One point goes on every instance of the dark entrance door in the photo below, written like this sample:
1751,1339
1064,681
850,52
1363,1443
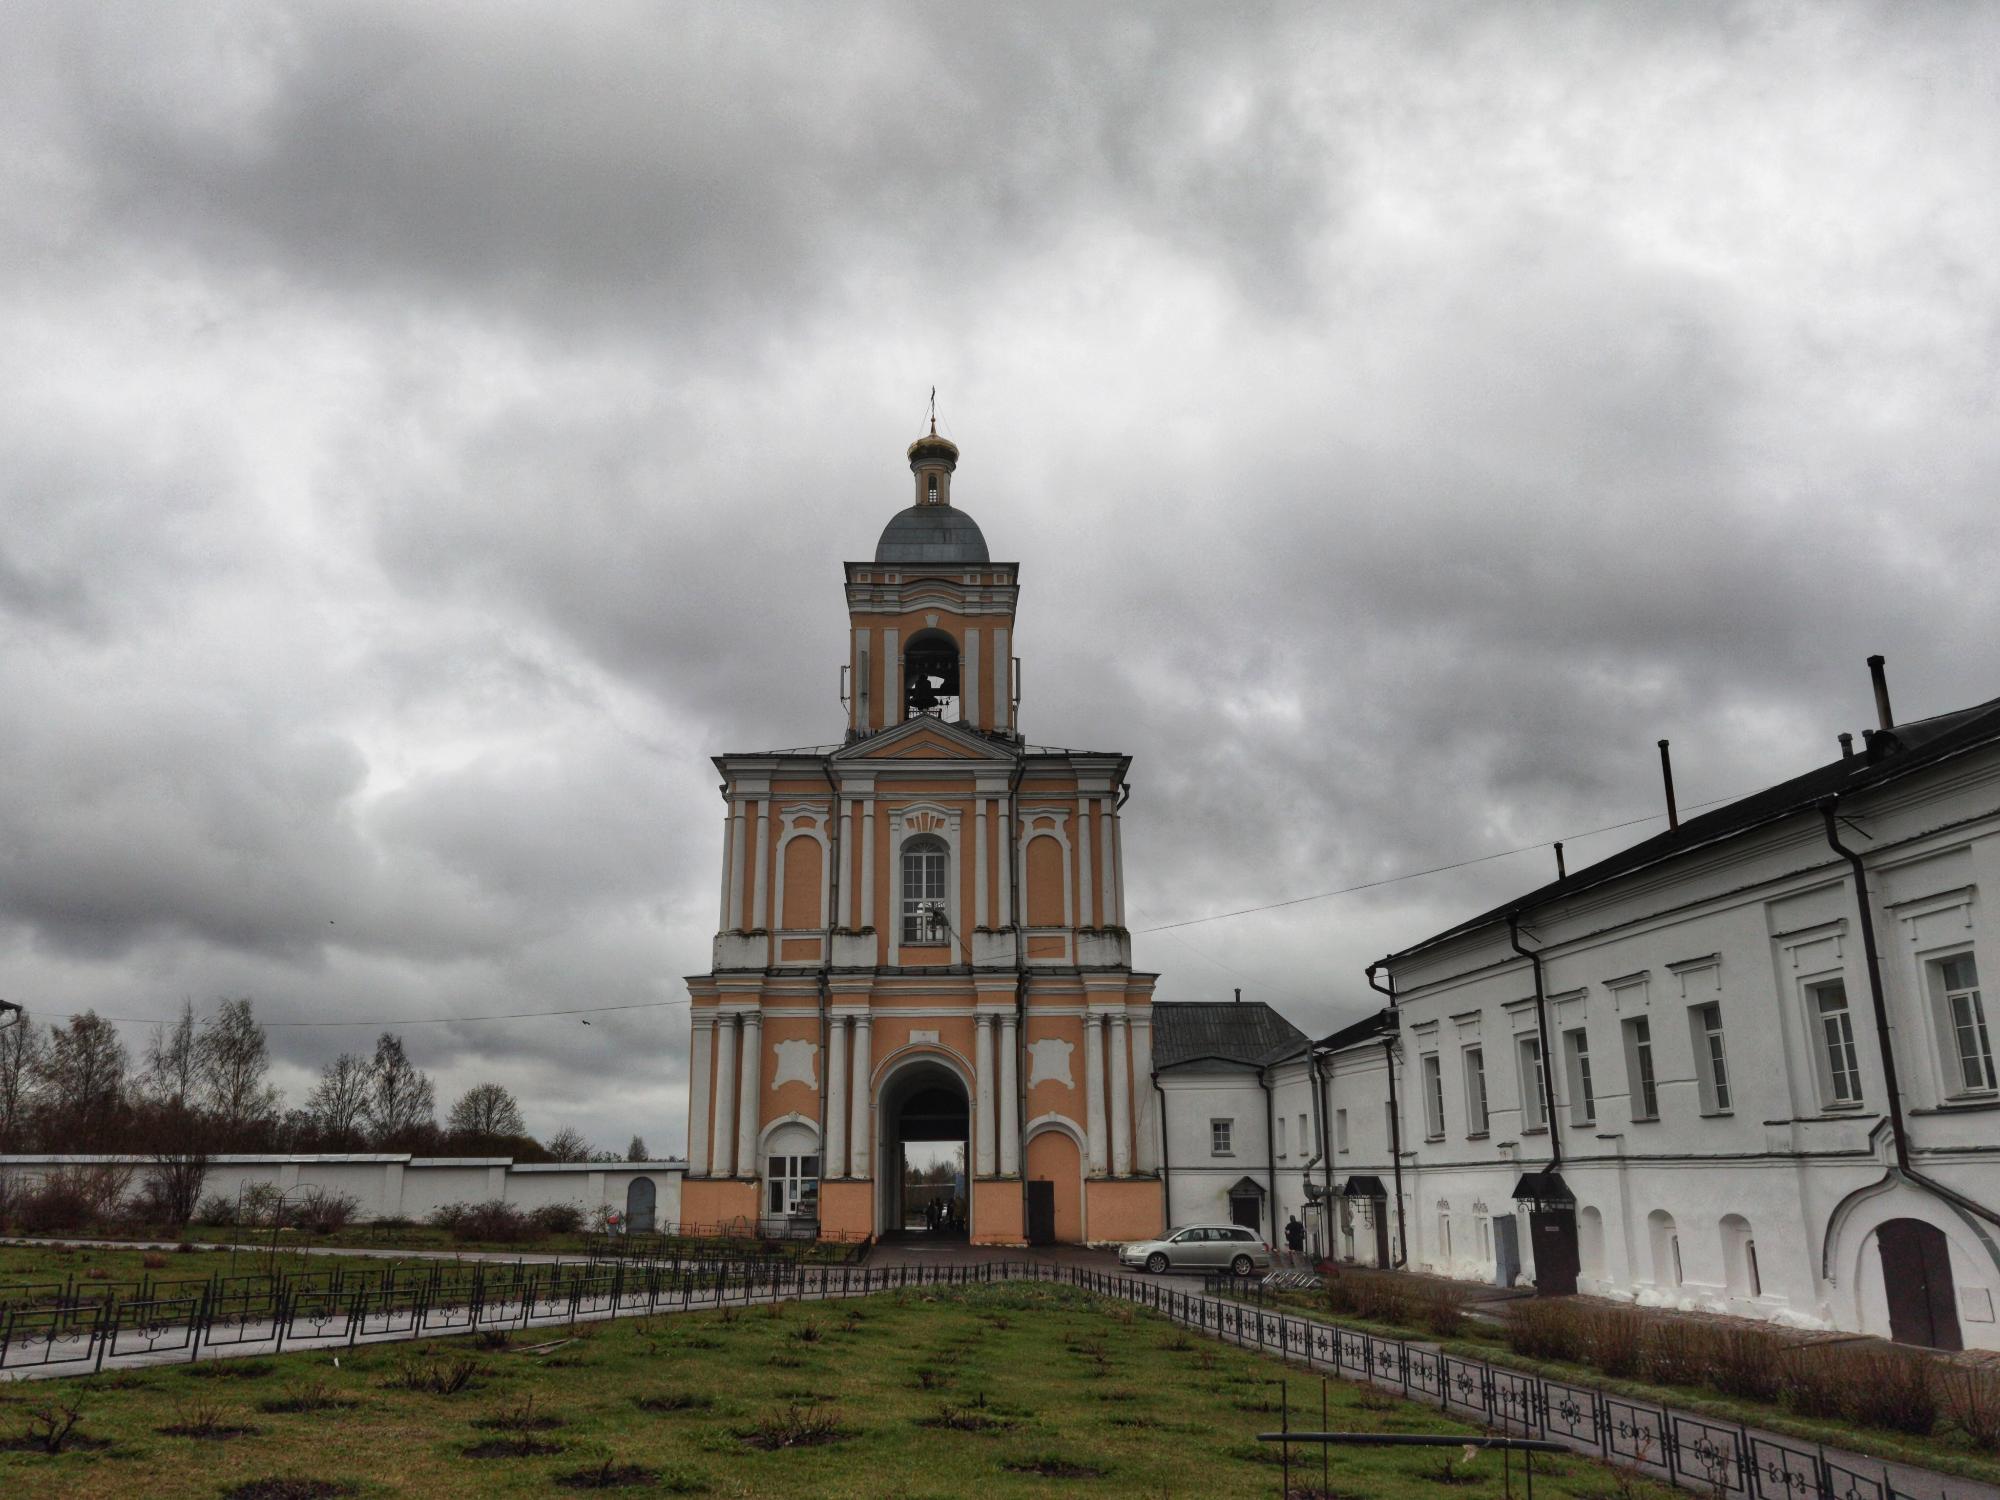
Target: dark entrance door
639,1202
1041,1211
1506,1249
1916,1274
1247,1211
1381,1217
1553,1233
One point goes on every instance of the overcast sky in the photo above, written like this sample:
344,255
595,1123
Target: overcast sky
429,432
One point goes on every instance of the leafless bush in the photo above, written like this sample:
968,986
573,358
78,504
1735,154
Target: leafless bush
495,1221
304,1398
1746,1362
556,1218
796,1427
1672,1351
216,1211
1888,1388
54,1423
322,1211
1545,1329
435,1375
1971,1398
1611,1338
1443,1308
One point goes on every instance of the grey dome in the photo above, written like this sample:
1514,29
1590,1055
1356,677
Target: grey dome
931,534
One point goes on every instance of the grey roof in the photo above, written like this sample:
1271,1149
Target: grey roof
931,534
1247,1032
1892,754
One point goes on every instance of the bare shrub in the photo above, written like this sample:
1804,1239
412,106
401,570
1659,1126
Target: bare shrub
215,1211
435,1375
1673,1352
1443,1308
304,1398
1814,1382
1611,1338
1888,1388
495,1220
1745,1362
808,1332
53,1424
556,1218
796,1427
1970,1396
322,1211
1542,1328
202,1418
152,1260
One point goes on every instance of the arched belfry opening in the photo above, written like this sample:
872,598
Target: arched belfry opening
930,676
925,1119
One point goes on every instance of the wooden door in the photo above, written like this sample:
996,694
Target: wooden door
1041,1211
1553,1233
1916,1275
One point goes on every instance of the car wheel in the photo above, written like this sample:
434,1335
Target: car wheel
1156,1262
1241,1265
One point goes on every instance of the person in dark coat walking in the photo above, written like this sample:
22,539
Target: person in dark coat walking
1295,1235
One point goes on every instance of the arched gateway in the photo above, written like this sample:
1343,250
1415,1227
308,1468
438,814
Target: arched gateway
922,944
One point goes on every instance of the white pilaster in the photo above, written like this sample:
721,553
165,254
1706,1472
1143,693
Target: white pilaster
702,1041
749,1094
847,862
1101,838
1146,1126
859,1155
1010,1100
1093,1068
728,867
1114,867
833,1161
892,680
1086,906
1005,810
1121,1100
868,863
760,891
979,917
722,1150
968,688
735,865
982,1098
857,687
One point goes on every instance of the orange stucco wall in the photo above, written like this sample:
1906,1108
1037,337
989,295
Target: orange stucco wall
1122,1210
1053,1156
847,1208
708,1201
996,1213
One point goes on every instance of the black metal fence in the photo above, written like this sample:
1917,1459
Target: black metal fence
58,1328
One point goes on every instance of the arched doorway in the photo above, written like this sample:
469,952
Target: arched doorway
1055,1179
639,1201
924,1118
1916,1275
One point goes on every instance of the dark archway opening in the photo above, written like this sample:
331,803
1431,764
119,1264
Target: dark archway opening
926,1132
930,676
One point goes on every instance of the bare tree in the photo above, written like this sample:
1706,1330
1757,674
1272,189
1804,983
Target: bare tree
400,1099
486,1111
20,1054
637,1150
173,1063
234,1059
568,1144
80,1084
338,1103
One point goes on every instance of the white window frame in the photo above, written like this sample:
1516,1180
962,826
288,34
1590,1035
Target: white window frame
1642,1072
1944,1003
1282,1153
1836,1057
1576,1065
1708,1036
1534,1083
1478,1118
1222,1137
1340,1145
915,905
1431,1067
787,1178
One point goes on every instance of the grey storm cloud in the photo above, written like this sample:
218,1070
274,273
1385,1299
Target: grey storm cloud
430,433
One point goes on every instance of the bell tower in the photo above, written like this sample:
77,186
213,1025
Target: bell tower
931,617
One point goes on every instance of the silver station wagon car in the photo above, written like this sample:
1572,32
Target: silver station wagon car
1201,1247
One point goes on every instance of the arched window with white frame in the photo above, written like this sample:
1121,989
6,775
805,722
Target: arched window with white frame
926,867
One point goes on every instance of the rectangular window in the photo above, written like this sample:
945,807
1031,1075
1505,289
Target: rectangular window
1711,1062
1219,1134
1306,1144
1639,1069
1281,1135
1340,1131
1433,1097
793,1184
924,919
1956,980
1582,1096
1475,1091
1534,1086
1833,1032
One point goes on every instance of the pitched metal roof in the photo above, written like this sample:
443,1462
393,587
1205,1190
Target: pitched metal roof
1247,1032
1894,754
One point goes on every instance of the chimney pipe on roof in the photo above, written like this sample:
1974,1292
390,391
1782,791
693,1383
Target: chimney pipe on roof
1239,997
1562,872
1667,775
1884,718
1847,747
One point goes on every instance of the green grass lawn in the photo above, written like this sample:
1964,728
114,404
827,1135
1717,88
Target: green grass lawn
1003,1390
